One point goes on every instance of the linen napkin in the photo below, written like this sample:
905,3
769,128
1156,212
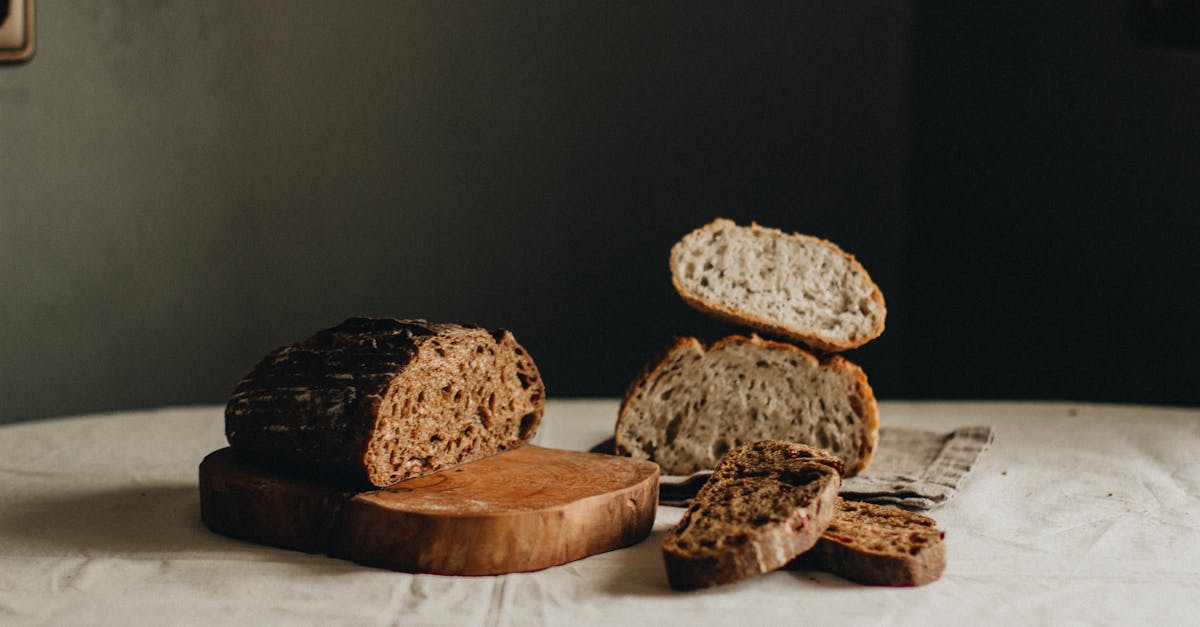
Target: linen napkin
914,469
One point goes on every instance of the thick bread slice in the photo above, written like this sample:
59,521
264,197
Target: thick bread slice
793,286
766,503
879,545
380,400
692,405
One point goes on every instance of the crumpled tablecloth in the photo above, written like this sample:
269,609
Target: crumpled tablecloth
1081,514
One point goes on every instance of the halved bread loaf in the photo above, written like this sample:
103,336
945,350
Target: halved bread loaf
766,503
793,286
879,545
693,404
381,400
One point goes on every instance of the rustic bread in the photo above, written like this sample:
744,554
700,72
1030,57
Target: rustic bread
766,503
879,545
794,286
381,400
692,405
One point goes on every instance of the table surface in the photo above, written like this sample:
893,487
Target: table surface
1078,513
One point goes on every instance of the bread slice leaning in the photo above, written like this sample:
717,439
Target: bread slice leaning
377,400
795,286
766,503
694,403
879,545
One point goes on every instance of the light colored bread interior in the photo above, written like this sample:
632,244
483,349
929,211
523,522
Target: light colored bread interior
693,405
795,286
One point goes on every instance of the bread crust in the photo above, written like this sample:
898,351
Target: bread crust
650,370
748,549
343,404
868,410
809,337
839,553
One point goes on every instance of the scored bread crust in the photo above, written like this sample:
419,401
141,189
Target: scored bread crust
766,503
864,407
379,400
880,546
728,313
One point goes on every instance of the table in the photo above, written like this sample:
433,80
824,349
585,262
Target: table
1078,513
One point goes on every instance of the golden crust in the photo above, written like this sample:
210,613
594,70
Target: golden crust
650,370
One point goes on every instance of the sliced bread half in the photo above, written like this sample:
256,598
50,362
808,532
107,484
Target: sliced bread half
693,404
766,503
794,286
880,546
376,401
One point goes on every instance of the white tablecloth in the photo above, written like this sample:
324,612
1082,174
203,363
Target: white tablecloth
1077,514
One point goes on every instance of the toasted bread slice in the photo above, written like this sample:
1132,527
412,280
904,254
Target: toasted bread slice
766,503
880,546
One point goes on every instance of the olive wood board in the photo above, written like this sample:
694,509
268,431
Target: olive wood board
525,509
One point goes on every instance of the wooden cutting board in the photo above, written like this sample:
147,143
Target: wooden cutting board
522,510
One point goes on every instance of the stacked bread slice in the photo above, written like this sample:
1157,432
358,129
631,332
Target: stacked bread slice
771,504
695,402
725,405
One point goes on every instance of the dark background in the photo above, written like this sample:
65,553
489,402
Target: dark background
184,186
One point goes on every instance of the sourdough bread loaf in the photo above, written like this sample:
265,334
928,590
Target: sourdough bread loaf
376,401
694,403
879,545
795,286
765,503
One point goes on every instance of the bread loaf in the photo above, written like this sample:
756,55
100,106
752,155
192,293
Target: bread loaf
765,503
879,545
796,286
693,404
376,401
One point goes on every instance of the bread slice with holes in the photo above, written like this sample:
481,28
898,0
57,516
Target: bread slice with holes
766,503
376,401
879,545
694,403
795,286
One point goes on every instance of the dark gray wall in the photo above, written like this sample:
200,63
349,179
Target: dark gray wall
185,185
1054,216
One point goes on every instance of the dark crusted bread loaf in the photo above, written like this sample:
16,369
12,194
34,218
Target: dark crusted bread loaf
879,545
692,405
766,503
794,286
381,400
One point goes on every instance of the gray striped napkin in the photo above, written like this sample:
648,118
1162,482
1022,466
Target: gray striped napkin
914,469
